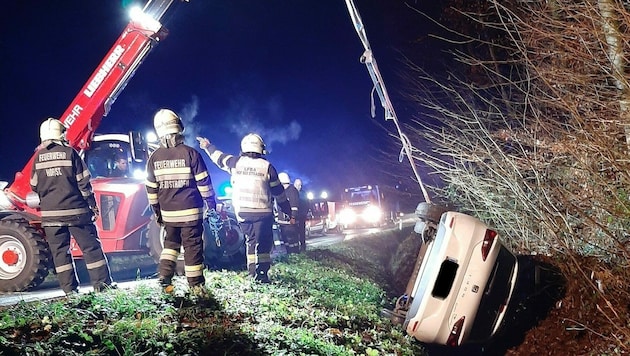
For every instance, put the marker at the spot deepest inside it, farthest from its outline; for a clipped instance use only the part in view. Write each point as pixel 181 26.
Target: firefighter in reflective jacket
pixel 62 180
pixel 254 181
pixel 178 184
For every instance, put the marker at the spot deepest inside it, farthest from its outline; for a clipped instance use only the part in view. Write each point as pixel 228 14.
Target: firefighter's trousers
pixel 301 231
pixel 291 238
pixel 58 238
pixel 191 238
pixel 258 230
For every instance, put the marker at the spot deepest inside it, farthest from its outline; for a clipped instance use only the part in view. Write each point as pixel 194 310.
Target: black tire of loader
pixel 39 260
pixel 155 243
pixel 214 258
pixel 430 212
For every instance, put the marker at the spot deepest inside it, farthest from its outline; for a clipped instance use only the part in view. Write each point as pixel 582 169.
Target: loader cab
pixel 117 156
pixel 117 164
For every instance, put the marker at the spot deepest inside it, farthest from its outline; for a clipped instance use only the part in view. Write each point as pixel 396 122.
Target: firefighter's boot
pixel 251 270
pixel 166 284
pixel 261 273
pixel 199 291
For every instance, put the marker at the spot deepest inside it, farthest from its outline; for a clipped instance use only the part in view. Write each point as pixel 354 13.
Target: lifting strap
pixel 379 86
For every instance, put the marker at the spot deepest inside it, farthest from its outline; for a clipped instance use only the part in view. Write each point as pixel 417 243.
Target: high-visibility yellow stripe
pixel 193 273
pixel 96 264
pixel 64 268
pixel 165 171
pixel 179 176
pixel 53 164
pixel 169 255
pixel 84 174
pixel 184 212
pixel 67 212
pixel 193 268
pixel 201 175
pixel 264 257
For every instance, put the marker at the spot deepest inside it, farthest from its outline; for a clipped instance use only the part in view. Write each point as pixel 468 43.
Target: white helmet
pixel 167 122
pixel 253 143
pixel 52 129
pixel 284 178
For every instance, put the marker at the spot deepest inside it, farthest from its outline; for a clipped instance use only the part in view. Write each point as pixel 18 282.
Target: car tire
pixel 430 212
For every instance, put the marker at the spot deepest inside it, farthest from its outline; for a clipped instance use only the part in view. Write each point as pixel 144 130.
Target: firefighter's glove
pixel 204 143
pixel 292 220
pixel 95 212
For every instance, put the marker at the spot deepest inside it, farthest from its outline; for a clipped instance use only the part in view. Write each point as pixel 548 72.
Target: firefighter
pixel 254 181
pixel 178 186
pixel 290 231
pixel 62 180
pixel 302 214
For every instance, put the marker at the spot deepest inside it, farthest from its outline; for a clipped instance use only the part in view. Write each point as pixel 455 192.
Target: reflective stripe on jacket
pixel 254 181
pixel 177 184
pixel 250 183
pixel 62 180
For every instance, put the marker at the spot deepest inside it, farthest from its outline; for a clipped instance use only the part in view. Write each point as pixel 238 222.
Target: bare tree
pixel 530 127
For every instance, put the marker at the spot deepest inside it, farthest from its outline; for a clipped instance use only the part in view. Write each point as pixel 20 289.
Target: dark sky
pixel 288 70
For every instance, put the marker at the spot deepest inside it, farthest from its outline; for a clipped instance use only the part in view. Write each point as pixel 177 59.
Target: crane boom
pixel 84 114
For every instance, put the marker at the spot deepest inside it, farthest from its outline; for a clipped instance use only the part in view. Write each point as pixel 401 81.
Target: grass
pixel 325 302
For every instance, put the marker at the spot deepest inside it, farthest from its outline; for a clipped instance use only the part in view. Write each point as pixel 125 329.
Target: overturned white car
pixel 462 282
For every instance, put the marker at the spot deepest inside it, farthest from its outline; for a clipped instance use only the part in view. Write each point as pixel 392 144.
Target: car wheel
pixel 430 212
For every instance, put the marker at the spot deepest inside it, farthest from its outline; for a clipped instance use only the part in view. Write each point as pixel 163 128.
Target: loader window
pixel 109 211
pixel 104 156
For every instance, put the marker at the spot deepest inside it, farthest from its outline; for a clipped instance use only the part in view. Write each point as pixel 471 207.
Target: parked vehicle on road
pixel 321 217
pixel 364 206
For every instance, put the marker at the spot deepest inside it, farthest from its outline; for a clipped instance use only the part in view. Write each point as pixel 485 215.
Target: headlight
pixel 372 214
pixel 140 174
pixel 347 216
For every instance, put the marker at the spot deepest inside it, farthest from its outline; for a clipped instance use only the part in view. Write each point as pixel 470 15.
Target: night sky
pixel 288 70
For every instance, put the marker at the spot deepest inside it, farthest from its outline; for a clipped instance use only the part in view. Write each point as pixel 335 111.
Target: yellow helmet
pixel 167 122
pixel 52 129
pixel 284 178
pixel 253 143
